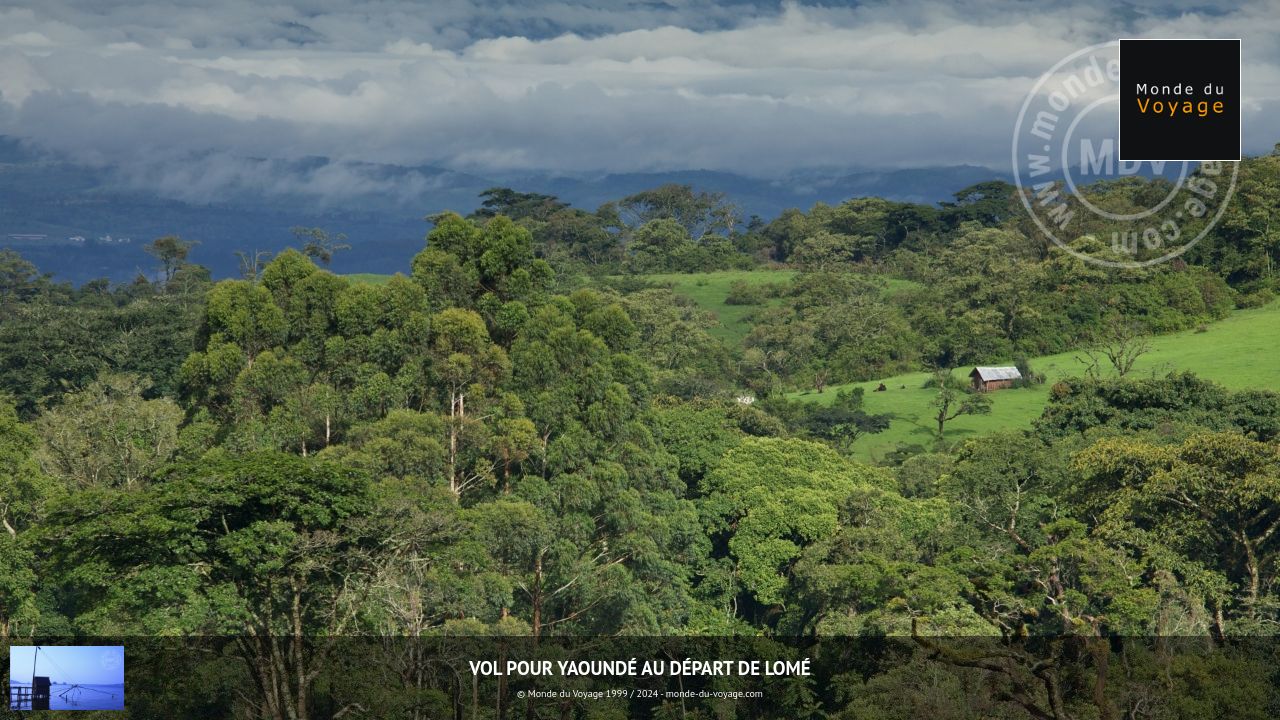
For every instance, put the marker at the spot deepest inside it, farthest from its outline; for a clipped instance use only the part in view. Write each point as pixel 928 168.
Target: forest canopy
pixel 526 434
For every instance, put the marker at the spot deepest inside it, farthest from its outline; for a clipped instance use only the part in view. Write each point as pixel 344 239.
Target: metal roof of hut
pixel 996 373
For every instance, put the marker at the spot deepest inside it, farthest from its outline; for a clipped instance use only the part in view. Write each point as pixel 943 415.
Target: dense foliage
pixel 493 445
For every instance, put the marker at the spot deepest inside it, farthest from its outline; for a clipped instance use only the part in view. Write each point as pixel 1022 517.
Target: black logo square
pixel 1179 99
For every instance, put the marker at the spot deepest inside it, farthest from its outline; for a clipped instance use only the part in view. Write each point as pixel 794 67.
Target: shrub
pixel 743 293
pixel 1255 299
pixel 1030 378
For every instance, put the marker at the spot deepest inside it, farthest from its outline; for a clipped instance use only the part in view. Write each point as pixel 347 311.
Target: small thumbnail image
pixel 66 677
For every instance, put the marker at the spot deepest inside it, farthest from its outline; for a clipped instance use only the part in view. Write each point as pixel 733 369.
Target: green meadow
pixel 1242 351
pixel 709 289
pixel 369 278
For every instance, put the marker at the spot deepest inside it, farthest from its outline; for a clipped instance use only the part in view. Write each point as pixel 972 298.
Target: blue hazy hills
pixel 82 221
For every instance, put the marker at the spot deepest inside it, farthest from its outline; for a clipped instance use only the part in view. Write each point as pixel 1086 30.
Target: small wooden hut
pixel 986 379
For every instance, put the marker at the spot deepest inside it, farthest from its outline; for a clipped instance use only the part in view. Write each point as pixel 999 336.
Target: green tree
pixel 1211 503
pixel 987 202
pixel 52 344
pixel 517 205
pixel 406 444
pixel 466 363
pixel 697 212
pixel 318 244
pixel 951 401
pixel 22 486
pixel 1245 244
pixel 825 251
pixel 1174 401
pixel 19 279
pixel 171 251
pixel 610 541
pixel 468 266
pixel 579 235
pixel 108 435
pixel 23 492
pixel 269 548
pixel 246 314
pixel 844 421
pixel 879 572
pixel 655 244
pixel 1038 576
pixel 18 587
pixel 769 498
pixel 673 335
pixel 786 232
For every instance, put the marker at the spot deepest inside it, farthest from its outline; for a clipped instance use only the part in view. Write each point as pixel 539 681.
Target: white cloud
pixel 18 77
pixel 754 88
pixel 29 39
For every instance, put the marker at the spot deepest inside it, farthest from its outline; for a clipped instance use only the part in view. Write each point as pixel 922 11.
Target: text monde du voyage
pixel 1175 100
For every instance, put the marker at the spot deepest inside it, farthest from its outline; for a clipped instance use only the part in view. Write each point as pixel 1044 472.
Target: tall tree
pixel 268 548
pixel 22 486
pixel 954 400
pixel 24 491
pixel 698 212
pixel 246 314
pixel 517 205
pixel 1212 501
pixel 318 244
pixel 467 365
pixel 19 279
pixel 465 265
pixel 769 498
pixel 108 435
pixel 171 251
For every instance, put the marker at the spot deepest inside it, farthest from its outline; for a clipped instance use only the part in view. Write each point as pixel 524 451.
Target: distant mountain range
pixel 82 221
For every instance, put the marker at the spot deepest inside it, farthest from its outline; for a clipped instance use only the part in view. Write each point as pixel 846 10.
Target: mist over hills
pixel 85 221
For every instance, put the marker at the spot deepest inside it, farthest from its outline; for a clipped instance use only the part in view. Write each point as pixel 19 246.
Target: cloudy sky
pixel 760 88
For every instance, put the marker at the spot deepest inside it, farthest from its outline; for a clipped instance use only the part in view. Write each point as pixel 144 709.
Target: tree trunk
pixel 1100 648
pixel 457 413
pixel 536 595
pixel 1251 567
pixel 299 663
pixel 1219 633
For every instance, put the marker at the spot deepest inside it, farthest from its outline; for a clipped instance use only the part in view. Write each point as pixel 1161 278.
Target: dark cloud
pixel 365 24
pixel 752 87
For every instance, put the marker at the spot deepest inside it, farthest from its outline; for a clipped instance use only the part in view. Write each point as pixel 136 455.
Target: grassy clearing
pixel 1238 352
pixel 369 278
pixel 709 290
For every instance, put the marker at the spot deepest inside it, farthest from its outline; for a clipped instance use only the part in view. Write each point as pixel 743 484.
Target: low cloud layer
pixel 754 88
